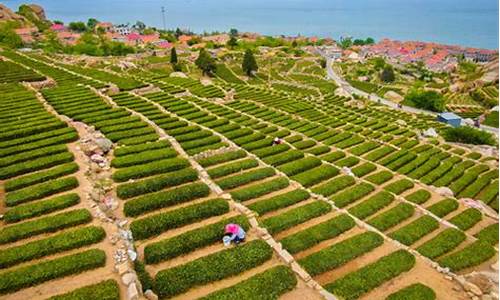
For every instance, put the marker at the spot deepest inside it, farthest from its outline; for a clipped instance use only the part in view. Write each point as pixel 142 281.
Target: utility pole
pixel 163 17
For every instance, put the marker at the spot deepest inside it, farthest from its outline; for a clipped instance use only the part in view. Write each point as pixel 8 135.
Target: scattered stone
pixel 122 268
pixel 431 132
pixel 470 287
pixel 301 272
pixel 494 266
pixel 132 254
pixel 132 292
pixel 287 257
pixel 150 295
pixel 487 297
pixel 445 192
pixel 128 278
pixel 447 277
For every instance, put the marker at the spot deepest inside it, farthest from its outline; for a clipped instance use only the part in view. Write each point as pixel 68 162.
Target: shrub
pixel 269 284
pixel 189 241
pixel 316 175
pixel 478 185
pixel 489 234
pixel 364 169
pixel 364 147
pixel 470 176
pixel 466 219
pixel 319 150
pixel 379 153
pixel 443 243
pixel 296 216
pixel 304 144
pixel 419 197
pixel 245 178
pixel 40 190
pixel 347 162
pixel 399 186
pixel 39 208
pixel 279 201
pixel 104 290
pixel 42 176
pixel 334 156
pixel 156 224
pixel 392 217
pixel 260 189
pixel 64 241
pixel 271 150
pixel 380 177
pixel 127 150
pixel 142 157
pixel 299 166
pixel 258 144
pixel 282 158
pixel 149 169
pixel 221 158
pixel 233 167
pixel 157 183
pixel 412 232
pixel 365 279
pixel 44 225
pixel 443 207
pixel 470 256
pixel 311 236
pixel 373 204
pixel 35 165
pixel 334 185
pixel 340 253
pixel 468 135
pixel 352 194
pixel 32 154
pixel 415 291
pixel 429 100
pixel 455 172
pixel 31 275
pixel 211 268
pixel 161 199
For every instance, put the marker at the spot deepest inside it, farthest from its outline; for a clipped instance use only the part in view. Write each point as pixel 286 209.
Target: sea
pixel 472 23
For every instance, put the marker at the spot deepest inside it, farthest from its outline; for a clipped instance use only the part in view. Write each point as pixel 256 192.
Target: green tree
pixel 173 56
pixel 233 32
pixel 91 23
pixel 205 62
pixel 369 41
pixel 78 26
pixel 322 63
pixel 358 42
pixel 429 100
pixel 387 74
pixel 468 135
pixel 58 22
pixel 233 42
pixel 294 44
pixel 345 42
pixel 9 37
pixel 249 63
pixel 178 33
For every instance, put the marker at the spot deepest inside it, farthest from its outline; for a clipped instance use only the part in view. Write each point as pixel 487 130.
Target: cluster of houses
pixel 436 57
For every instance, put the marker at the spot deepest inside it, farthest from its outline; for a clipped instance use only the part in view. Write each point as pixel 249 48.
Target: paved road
pixel 375 98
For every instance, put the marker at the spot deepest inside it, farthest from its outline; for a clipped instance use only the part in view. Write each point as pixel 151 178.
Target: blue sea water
pixel 464 22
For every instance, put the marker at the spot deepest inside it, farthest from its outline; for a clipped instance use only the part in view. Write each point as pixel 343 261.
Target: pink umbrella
pixel 232 228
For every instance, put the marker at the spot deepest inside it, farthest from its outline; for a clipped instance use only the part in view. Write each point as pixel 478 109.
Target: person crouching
pixel 233 233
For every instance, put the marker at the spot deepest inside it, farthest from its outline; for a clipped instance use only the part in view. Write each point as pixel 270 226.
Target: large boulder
pixel 6 14
pixel 444 191
pixel 431 132
pixel 104 144
pixel 38 11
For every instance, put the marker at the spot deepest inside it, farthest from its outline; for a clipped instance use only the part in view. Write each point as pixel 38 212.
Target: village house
pixel 68 38
pixel 122 29
pixel 220 39
pixel 184 39
pixel 106 26
pixel 27 34
pixel 57 27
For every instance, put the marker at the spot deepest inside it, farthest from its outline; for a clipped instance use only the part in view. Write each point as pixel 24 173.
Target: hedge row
pixel 419 197
pixel 357 283
pixel 245 178
pixel 64 241
pixel 189 241
pixel 334 185
pixel 126 150
pixel 67 137
pixel 364 147
pixel 156 183
pixel 299 166
pixel 296 216
pixel 470 256
pixel 311 236
pixel 40 190
pixel 44 225
pixel 489 234
pixel 284 157
pixel 271 150
pixel 42 176
pixel 455 172
pixel 364 169
pixel 443 207
pixel 380 177
pixel 352 194
pixel 142 157
pixel 31 275
pixel 379 153
pixel 104 290
pixel 415 291
pixel 280 201
pixel 443 243
pixel 38 208
pixel 233 167
pixel 270 284
pixel 478 185
pixel 424 169
pixel 159 223
pixel 372 205
pixel 414 231
pixel 332 157
pixel 316 175
pixel 151 202
pixel 149 169
pixel 31 155
pixel 35 165
pixel 211 268
pixel 340 253
pixel 398 187
pixel 468 177
pixel 467 218
pixel 392 217
pixel 260 189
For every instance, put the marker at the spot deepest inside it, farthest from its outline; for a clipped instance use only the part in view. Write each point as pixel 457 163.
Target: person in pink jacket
pixel 233 233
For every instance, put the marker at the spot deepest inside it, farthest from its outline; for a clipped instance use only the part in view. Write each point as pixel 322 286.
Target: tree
pixel 249 63
pixel 91 23
pixel 429 100
pixel 173 56
pixel 58 22
pixel 294 44
pixel 345 42
pixel 9 37
pixel 322 63
pixel 468 135
pixel 233 42
pixel 387 74
pixel 369 41
pixel 358 42
pixel 178 33
pixel 139 25
pixel 205 62
pixel 233 32
pixel 78 26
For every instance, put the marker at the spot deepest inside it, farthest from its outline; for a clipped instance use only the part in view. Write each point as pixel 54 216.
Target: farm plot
pixel 12 72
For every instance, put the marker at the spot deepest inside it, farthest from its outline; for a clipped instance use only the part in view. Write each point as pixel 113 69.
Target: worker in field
pixel 233 233
pixel 277 141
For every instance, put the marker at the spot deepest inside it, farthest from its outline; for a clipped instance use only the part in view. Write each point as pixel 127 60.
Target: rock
pixel 470 287
pixel 132 254
pixel 430 132
pixel 457 288
pixel 401 122
pixel 150 295
pixel 97 158
pixel 448 277
pixel 104 144
pixel 128 278
pixel 494 266
pixel 444 191
pixel 287 257
pixel 347 171
pixel 487 297
pixel 132 292
pixel 122 268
